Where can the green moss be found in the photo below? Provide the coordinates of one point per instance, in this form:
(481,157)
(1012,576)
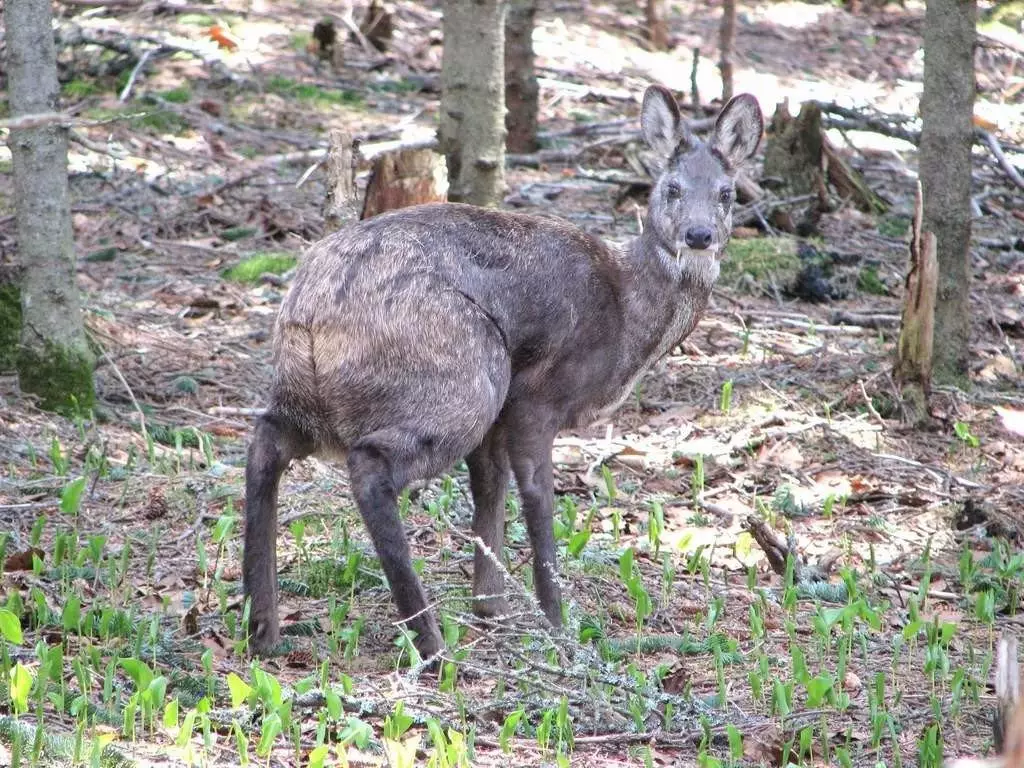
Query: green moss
(288,88)
(10,325)
(250,269)
(868,281)
(60,376)
(163,121)
(894,226)
(180,95)
(197,19)
(761,259)
(79,89)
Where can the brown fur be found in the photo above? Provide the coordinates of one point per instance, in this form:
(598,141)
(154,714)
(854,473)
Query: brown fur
(438,332)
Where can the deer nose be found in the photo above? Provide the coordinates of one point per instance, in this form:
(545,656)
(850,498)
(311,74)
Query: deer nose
(698,237)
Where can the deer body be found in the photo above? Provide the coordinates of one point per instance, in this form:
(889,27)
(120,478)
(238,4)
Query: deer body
(438,332)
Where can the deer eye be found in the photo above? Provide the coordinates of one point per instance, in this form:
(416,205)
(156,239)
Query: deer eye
(725,196)
(673,192)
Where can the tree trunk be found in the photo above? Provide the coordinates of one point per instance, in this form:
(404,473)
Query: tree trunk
(945,171)
(521,89)
(657,27)
(54,359)
(401,179)
(472,131)
(726,44)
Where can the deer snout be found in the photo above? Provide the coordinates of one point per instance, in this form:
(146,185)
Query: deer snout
(699,238)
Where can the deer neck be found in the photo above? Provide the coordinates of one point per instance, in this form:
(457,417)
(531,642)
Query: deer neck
(666,295)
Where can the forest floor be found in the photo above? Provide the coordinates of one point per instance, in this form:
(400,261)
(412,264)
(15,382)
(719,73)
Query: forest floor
(195,193)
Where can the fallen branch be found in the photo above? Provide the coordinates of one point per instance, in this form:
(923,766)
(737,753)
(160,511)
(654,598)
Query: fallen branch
(1004,163)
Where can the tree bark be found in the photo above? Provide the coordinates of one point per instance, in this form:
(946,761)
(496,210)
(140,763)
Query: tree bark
(657,27)
(726,44)
(54,359)
(521,91)
(472,130)
(947,134)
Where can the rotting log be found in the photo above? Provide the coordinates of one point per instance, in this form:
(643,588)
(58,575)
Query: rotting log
(342,205)
(913,368)
(401,179)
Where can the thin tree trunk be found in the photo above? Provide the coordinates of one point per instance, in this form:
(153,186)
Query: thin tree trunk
(657,28)
(726,44)
(945,171)
(472,130)
(54,359)
(521,91)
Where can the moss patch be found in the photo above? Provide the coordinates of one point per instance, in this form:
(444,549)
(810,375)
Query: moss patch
(60,376)
(289,88)
(868,281)
(760,259)
(250,269)
(10,325)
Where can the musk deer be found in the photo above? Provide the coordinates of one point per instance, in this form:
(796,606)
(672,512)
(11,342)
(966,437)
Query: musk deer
(430,334)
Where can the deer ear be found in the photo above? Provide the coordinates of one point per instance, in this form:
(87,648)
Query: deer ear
(661,125)
(738,130)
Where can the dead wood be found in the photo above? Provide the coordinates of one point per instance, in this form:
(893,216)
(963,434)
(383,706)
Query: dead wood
(401,179)
(849,184)
(1008,718)
(779,550)
(997,151)
(378,25)
(341,205)
(913,368)
(841,317)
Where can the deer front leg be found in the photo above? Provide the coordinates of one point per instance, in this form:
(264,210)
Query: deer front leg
(488,480)
(529,446)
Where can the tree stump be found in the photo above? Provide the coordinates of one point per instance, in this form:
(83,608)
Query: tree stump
(793,164)
(408,177)
(342,204)
(913,368)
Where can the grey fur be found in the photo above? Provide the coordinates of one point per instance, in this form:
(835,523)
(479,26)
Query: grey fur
(433,333)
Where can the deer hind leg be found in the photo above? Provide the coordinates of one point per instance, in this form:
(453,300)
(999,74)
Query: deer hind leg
(273,446)
(489,474)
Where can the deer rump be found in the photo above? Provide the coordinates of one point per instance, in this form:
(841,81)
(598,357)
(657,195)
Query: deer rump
(431,318)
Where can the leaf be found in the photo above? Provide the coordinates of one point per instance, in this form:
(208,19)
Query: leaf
(269,731)
(138,671)
(240,690)
(21,686)
(10,626)
(71,497)
(317,756)
(508,729)
(222,37)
